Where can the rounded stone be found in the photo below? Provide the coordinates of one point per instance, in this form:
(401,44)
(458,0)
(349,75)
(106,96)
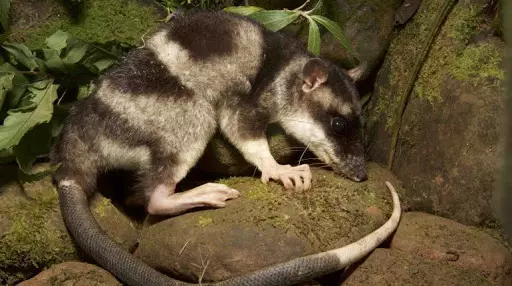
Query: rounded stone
(436,238)
(393,267)
(266,225)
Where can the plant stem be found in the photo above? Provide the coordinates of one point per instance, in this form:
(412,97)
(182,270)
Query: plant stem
(301,6)
(404,99)
(318,4)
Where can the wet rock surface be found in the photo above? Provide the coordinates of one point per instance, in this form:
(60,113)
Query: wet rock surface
(440,239)
(266,225)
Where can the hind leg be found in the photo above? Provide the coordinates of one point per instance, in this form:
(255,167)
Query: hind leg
(163,200)
(160,180)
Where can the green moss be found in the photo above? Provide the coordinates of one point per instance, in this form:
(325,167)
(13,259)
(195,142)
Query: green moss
(101,21)
(479,63)
(205,220)
(331,210)
(32,242)
(102,207)
(463,23)
(460,26)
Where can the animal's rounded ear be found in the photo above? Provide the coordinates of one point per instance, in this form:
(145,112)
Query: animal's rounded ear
(314,73)
(356,73)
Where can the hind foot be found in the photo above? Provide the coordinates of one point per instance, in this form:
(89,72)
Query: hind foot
(164,202)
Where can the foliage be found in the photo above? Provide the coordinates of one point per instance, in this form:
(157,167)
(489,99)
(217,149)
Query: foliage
(5,6)
(274,20)
(278,19)
(36,84)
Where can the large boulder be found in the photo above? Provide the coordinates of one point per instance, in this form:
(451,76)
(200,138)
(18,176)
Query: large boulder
(393,267)
(72,273)
(436,238)
(32,232)
(266,225)
(447,153)
(369,27)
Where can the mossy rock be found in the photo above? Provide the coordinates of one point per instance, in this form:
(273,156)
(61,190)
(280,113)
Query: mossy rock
(37,237)
(34,236)
(92,21)
(447,153)
(266,225)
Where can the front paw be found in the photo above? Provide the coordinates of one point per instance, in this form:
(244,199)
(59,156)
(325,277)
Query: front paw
(297,177)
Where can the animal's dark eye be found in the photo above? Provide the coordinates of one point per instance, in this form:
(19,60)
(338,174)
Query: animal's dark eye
(338,124)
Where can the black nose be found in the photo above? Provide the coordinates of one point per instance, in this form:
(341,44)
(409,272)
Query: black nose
(362,176)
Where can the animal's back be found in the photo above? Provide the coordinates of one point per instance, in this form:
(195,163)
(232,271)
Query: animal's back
(146,103)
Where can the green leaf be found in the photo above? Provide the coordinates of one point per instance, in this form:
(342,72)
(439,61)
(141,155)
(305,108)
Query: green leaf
(7,156)
(275,20)
(32,176)
(5,6)
(5,86)
(19,121)
(84,91)
(313,37)
(60,113)
(35,142)
(243,10)
(76,53)
(335,29)
(19,85)
(22,54)
(57,41)
(103,64)
(53,61)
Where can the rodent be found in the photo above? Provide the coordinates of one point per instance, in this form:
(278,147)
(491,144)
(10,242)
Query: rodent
(156,110)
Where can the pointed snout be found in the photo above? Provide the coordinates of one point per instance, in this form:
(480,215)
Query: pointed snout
(354,168)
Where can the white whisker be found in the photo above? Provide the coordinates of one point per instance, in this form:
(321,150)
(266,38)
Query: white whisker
(302,155)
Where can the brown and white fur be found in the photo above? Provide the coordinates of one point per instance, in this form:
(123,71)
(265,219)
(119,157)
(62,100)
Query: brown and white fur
(158,108)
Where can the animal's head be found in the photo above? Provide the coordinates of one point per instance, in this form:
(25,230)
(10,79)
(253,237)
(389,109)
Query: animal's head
(329,118)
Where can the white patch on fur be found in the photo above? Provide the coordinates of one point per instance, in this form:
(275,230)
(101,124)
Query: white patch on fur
(345,109)
(258,153)
(169,121)
(118,155)
(212,77)
(307,131)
